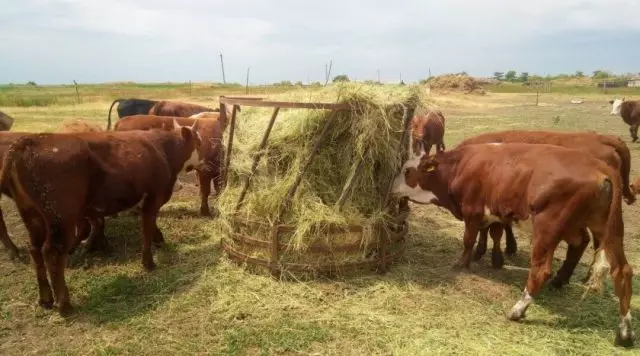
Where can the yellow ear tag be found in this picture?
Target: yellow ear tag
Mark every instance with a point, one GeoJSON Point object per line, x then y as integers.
{"type": "Point", "coordinates": [430, 169]}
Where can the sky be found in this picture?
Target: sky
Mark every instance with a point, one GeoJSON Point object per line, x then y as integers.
{"type": "Point", "coordinates": [57, 41]}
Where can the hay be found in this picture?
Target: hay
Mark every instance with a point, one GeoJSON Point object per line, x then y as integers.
{"type": "Point", "coordinates": [371, 132]}
{"type": "Point", "coordinates": [456, 82]}
{"type": "Point", "coordinates": [78, 125]}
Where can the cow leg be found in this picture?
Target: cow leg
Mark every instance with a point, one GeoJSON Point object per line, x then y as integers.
{"type": "Point", "coordinates": [12, 250]}
{"type": "Point", "coordinates": [512, 245]}
{"type": "Point", "coordinates": [481, 247]}
{"type": "Point", "coordinates": [470, 235]}
{"type": "Point", "coordinates": [574, 253]}
{"type": "Point", "coordinates": [540, 271]}
{"type": "Point", "coordinates": [55, 257]}
{"type": "Point", "coordinates": [622, 274]}
{"type": "Point", "coordinates": [416, 147]}
{"type": "Point", "coordinates": [634, 132]}
{"type": "Point", "coordinates": [205, 191]}
{"type": "Point", "coordinates": [97, 241]}
{"type": "Point", "coordinates": [427, 147]}
{"type": "Point", "coordinates": [497, 260]}
{"type": "Point", "coordinates": [37, 236]}
{"type": "Point", "coordinates": [83, 232]}
{"type": "Point", "coordinates": [441, 147]}
{"type": "Point", "coordinates": [150, 231]}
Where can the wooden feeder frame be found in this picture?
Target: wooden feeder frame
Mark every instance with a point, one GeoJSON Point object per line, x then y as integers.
{"type": "Point", "coordinates": [391, 235]}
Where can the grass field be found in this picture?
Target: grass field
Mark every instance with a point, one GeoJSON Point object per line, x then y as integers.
{"type": "Point", "coordinates": [197, 302]}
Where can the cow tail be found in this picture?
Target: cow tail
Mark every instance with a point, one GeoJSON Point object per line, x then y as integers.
{"type": "Point", "coordinates": [11, 157]}
{"type": "Point", "coordinates": [614, 230]}
{"type": "Point", "coordinates": [625, 168]}
{"type": "Point", "coordinates": [109, 116]}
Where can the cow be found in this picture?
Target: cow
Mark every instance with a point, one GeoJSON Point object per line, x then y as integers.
{"type": "Point", "coordinates": [78, 125]}
{"type": "Point", "coordinates": [629, 110]}
{"type": "Point", "coordinates": [177, 109]}
{"type": "Point", "coordinates": [555, 190]}
{"type": "Point", "coordinates": [128, 107]}
{"type": "Point", "coordinates": [6, 122]}
{"type": "Point", "coordinates": [56, 179]}
{"type": "Point", "coordinates": [608, 148]}
{"type": "Point", "coordinates": [427, 130]}
{"type": "Point", "coordinates": [211, 149]}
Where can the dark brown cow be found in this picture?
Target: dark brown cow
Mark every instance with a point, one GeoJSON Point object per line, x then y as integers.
{"type": "Point", "coordinates": [6, 122]}
{"type": "Point", "coordinates": [629, 110]}
{"type": "Point", "coordinates": [427, 130]}
{"type": "Point", "coordinates": [58, 179]}
{"type": "Point", "coordinates": [608, 148]}
{"type": "Point", "coordinates": [559, 190]}
{"type": "Point", "coordinates": [211, 149]}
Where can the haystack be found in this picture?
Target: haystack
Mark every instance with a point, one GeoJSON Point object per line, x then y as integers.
{"type": "Point", "coordinates": [362, 145]}
{"type": "Point", "coordinates": [456, 82]}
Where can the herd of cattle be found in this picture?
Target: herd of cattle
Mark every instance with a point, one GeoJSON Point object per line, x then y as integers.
{"type": "Point", "coordinates": [558, 185]}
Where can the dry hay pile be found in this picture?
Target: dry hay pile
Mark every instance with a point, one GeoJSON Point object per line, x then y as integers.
{"type": "Point", "coordinates": [456, 82]}
{"type": "Point", "coordinates": [371, 131]}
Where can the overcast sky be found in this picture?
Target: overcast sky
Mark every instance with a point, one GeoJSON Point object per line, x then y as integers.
{"type": "Point", "coordinates": [56, 41]}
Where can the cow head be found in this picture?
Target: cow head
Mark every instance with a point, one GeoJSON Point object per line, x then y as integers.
{"type": "Point", "coordinates": [419, 181]}
{"type": "Point", "coordinates": [192, 142]}
{"type": "Point", "coordinates": [616, 105]}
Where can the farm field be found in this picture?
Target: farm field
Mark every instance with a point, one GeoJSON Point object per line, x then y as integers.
{"type": "Point", "coordinates": [198, 302]}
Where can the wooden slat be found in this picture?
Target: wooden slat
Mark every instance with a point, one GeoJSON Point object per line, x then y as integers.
{"type": "Point", "coordinates": [282, 104]}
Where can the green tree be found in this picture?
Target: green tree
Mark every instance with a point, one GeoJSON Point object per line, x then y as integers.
{"type": "Point", "coordinates": [600, 74]}
{"type": "Point", "coordinates": [524, 77]}
{"type": "Point", "coordinates": [340, 78]}
{"type": "Point", "coordinates": [498, 75]}
{"type": "Point", "coordinates": [579, 74]}
{"type": "Point", "coordinates": [510, 76]}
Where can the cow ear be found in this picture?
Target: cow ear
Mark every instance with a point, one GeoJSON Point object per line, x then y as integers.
{"type": "Point", "coordinates": [623, 98]}
{"type": "Point", "coordinates": [428, 165]}
{"type": "Point", "coordinates": [611, 102]}
{"type": "Point", "coordinates": [186, 132]}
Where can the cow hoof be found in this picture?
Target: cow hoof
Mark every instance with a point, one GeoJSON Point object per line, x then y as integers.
{"type": "Point", "coordinates": [46, 304]}
{"type": "Point", "coordinates": [205, 212]}
{"type": "Point", "coordinates": [65, 310]}
{"type": "Point", "coordinates": [497, 260]}
{"type": "Point", "coordinates": [558, 283]}
{"type": "Point", "coordinates": [461, 266]}
{"type": "Point", "coordinates": [515, 315]}
{"type": "Point", "coordinates": [625, 340]}
{"type": "Point", "coordinates": [149, 266]}
{"type": "Point", "coordinates": [511, 251]}
{"type": "Point", "coordinates": [477, 255]}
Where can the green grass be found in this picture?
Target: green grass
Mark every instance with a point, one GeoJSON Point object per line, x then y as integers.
{"type": "Point", "coordinates": [198, 302]}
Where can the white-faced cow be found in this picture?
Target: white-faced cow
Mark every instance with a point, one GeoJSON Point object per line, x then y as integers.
{"type": "Point", "coordinates": [629, 110]}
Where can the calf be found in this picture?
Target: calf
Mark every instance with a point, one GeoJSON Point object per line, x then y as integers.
{"type": "Point", "coordinates": [629, 110]}
{"type": "Point", "coordinates": [58, 179]}
{"type": "Point", "coordinates": [128, 107]}
{"type": "Point", "coordinates": [6, 122]}
{"type": "Point", "coordinates": [211, 149]}
{"type": "Point", "coordinates": [560, 191]}
{"type": "Point", "coordinates": [608, 148]}
{"type": "Point", "coordinates": [427, 130]}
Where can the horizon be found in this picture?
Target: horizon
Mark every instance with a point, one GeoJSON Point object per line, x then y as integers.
{"type": "Point", "coordinates": [53, 42]}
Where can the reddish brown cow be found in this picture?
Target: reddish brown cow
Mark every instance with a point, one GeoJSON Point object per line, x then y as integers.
{"type": "Point", "coordinates": [427, 130]}
{"type": "Point", "coordinates": [629, 110]}
{"type": "Point", "coordinates": [559, 190]}
{"type": "Point", "coordinates": [57, 179]}
{"type": "Point", "coordinates": [211, 150]}
{"type": "Point", "coordinates": [608, 148]}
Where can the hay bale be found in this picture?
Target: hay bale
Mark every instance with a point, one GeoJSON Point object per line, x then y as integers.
{"type": "Point", "coordinates": [6, 122]}
{"type": "Point", "coordinates": [456, 82]}
{"type": "Point", "coordinates": [78, 125]}
{"type": "Point", "coordinates": [370, 131]}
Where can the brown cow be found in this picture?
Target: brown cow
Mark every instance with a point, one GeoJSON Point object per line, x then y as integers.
{"type": "Point", "coordinates": [559, 190]}
{"type": "Point", "coordinates": [57, 179]}
{"type": "Point", "coordinates": [177, 109]}
{"type": "Point", "coordinates": [608, 148]}
{"type": "Point", "coordinates": [629, 110]}
{"type": "Point", "coordinates": [427, 130]}
{"type": "Point", "coordinates": [211, 150]}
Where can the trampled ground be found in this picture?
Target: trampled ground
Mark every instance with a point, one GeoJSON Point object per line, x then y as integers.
{"type": "Point", "coordinates": [197, 302]}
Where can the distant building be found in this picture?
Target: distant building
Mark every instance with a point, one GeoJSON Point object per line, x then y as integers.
{"type": "Point", "coordinates": [634, 82]}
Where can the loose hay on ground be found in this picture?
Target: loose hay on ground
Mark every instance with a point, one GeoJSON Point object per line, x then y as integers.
{"type": "Point", "coordinates": [370, 132]}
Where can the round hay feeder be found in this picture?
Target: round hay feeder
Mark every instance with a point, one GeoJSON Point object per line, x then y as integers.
{"type": "Point", "coordinates": [266, 244]}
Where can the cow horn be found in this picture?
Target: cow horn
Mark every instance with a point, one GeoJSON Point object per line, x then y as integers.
{"type": "Point", "coordinates": [176, 125]}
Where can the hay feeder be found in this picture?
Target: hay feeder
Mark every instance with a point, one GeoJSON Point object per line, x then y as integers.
{"type": "Point", "coordinates": [247, 237]}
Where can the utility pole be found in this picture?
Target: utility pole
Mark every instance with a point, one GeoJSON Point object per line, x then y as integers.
{"type": "Point", "coordinates": [224, 80]}
{"type": "Point", "coordinates": [378, 76]}
{"type": "Point", "coordinates": [247, 85]}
